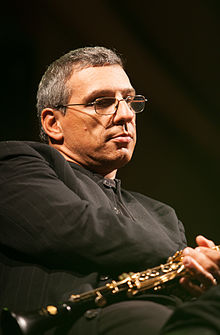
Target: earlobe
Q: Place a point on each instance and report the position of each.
(51, 124)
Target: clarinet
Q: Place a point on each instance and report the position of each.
(128, 286)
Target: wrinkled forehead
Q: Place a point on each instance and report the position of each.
(95, 78)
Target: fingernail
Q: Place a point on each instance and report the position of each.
(186, 261)
(186, 251)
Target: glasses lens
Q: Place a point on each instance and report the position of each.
(105, 105)
(108, 105)
(137, 104)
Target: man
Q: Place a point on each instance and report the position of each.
(67, 225)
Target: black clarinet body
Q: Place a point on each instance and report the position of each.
(37, 322)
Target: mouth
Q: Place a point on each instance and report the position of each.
(121, 138)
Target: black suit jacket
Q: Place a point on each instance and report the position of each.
(64, 228)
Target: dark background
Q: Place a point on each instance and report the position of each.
(172, 57)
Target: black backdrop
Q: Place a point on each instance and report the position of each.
(172, 54)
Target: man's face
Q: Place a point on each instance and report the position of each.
(101, 143)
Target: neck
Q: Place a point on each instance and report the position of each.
(105, 174)
(111, 174)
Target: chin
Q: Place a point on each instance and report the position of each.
(121, 160)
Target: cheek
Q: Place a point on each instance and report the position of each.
(76, 127)
(94, 131)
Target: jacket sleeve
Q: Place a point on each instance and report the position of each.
(42, 219)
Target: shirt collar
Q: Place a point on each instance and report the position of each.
(99, 179)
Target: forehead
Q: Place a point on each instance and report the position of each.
(110, 78)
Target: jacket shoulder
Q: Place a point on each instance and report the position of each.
(18, 151)
(9, 149)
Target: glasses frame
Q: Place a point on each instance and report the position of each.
(116, 107)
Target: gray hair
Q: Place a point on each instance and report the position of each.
(53, 91)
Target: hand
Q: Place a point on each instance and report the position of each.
(203, 263)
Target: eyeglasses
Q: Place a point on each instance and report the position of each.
(109, 105)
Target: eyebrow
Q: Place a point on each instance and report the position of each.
(109, 93)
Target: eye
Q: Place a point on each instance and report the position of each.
(104, 102)
(129, 99)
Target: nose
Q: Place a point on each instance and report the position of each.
(123, 113)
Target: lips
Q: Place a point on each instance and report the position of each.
(121, 137)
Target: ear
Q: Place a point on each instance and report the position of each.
(51, 124)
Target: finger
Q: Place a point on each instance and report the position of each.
(204, 242)
(198, 272)
(208, 258)
(211, 261)
(193, 289)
